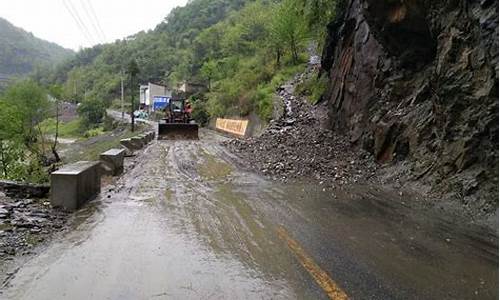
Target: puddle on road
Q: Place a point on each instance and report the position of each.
(212, 168)
(168, 194)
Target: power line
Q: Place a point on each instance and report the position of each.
(74, 14)
(79, 25)
(91, 20)
(81, 21)
(92, 11)
(89, 17)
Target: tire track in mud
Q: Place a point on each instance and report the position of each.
(211, 209)
(235, 214)
(193, 236)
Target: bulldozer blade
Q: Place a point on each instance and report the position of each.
(177, 131)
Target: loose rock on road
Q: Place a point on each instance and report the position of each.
(186, 221)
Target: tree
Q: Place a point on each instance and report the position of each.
(10, 132)
(73, 85)
(92, 112)
(23, 106)
(288, 27)
(31, 104)
(56, 91)
(200, 113)
(318, 13)
(208, 71)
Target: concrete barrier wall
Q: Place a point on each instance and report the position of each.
(237, 127)
(129, 145)
(112, 161)
(75, 184)
(139, 141)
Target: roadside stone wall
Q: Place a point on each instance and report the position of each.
(24, 190)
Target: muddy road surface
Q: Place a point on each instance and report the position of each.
(186, 221)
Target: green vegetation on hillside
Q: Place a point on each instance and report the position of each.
(241, 50)
(21, 52)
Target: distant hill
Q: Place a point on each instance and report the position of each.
(21, 51)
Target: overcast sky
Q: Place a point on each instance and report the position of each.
(52, 19)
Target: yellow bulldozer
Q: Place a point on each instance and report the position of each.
(177, 123)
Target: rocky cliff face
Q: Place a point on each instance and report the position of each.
(416, 84)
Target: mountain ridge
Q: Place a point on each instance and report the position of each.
(21, 51)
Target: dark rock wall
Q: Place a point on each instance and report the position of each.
(416, 84)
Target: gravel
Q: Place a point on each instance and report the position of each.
(295, 146)
(25, 223)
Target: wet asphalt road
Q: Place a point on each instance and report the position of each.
(187, 222)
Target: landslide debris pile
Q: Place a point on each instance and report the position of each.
(295, 146)
(25, 223)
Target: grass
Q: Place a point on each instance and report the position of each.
(71, 129)
(91, 148)
(313, 88)
(286, 73)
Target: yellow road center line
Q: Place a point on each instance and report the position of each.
(333, 291)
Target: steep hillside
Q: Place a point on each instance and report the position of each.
(21, 52)
(163, 54)
(416, 84)
(240, 50)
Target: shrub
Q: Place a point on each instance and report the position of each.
(109, 123)
(313, 88)
(92, 112)
(263, 101)
(285, 74)
(93, 132)
(214, 106)
(200, 113)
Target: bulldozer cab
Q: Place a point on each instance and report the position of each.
(177, 112)
(177, 106)
(177, 122)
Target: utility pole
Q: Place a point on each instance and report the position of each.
(74, 92)
(133, 70)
